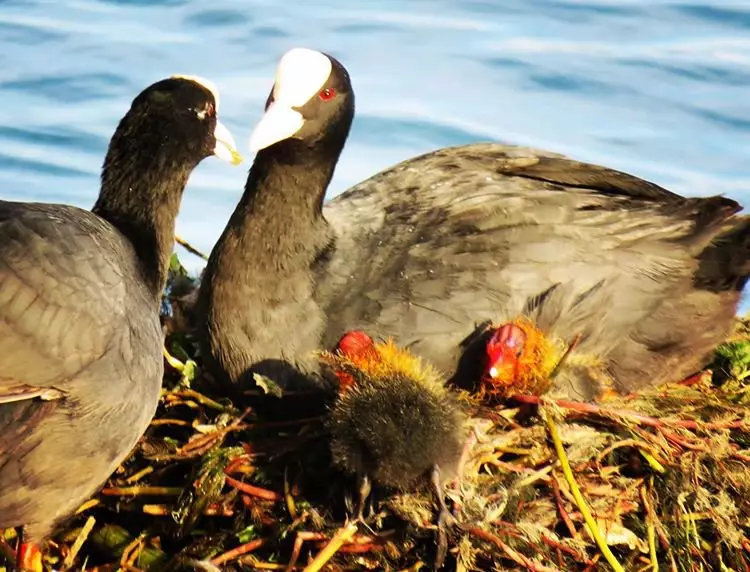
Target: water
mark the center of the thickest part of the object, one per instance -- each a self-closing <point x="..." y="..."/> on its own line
<point x="659" y="88"/>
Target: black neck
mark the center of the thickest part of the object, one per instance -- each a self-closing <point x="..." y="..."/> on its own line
<point x="142" y="202"/>
<point x="278" y="223"/>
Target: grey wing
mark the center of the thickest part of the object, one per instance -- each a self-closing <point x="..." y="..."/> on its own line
<point x="61" y="298"/>
<point x="428" y="249"/>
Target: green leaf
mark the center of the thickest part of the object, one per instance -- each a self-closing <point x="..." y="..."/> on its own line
<point x="268" y="386"/>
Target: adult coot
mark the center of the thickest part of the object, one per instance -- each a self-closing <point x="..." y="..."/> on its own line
<point x="80" y="341"/>
<point x="423" y="251"/>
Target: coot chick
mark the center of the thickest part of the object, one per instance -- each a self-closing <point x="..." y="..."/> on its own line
<point x="519" y="358"/>
<point x="394" y="421"/>
<point x="80" y="340"/>
<point x="423" y="251"/>
<point x="524" y="356"/>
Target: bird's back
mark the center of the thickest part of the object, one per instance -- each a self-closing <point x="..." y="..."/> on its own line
<point x="439" y="243"/>
<point x="74" y="321"/>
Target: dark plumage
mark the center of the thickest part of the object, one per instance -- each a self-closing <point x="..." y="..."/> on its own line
<point x="80" y="341"/>
<point x="427" y="249"/>
<point x="245" y="313"/>
<point x="395" y="422"/>
<point x="395" y="432"/>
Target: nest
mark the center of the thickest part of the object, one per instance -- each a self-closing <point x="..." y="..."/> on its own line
<point x="657" y="480"/>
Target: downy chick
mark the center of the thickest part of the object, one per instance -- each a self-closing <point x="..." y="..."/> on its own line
<point x="394" y="422"/>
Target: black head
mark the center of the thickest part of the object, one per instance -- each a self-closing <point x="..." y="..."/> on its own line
<point x="170" y="128"/>
<point x="173" y="120"/>
<point x="312" y="102"/>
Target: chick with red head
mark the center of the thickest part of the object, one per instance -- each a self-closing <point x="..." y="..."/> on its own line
<point x="519" y="358"/>
<point x="394" y="422"/>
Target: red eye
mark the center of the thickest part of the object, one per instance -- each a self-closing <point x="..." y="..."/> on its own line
<point x="327" y="94"/>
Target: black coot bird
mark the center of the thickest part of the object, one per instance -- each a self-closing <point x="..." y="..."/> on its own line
<point x="80" y="340"/>
<point x="425" y="250"/>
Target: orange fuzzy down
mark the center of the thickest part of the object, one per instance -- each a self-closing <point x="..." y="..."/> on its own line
<point x="30" y="557"/>
<point x="525" y="373"/>
<point x="358" y="354"/>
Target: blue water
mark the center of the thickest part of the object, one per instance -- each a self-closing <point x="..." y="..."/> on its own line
<point x="659" y="88"/>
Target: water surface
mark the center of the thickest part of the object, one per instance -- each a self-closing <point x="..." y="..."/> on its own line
<point x="658" y="88"/>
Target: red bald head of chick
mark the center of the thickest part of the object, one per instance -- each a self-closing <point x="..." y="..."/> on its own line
<point x="357" y="346"/>
<point x="356" y="343"/>
<point x="504" y="350"/>
<point x="519" y="358"/>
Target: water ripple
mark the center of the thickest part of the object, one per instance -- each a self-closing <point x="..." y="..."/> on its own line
<point x="573" y="11"/>
<point x="714" y="74"/>
<point x="18" y="164"/>
<point x="589" y="86"/>
<point x="724" y="16"/>
<point x="409" y="132"/>
<point x="657" y="88"/>
<point x="27" y="34"/>
<point x="69" y="88"/>
<point x="724" y="120"/>
<point x="217" y="18"/>
<point x="63" y="138"/>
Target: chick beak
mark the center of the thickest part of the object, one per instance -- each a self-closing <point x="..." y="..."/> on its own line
<point x="225" y="148"/>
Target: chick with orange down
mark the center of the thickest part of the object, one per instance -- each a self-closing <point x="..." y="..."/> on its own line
<point x="519" y="358"/>
<point x="522" y="357"/>
<point x="394" y="422"/>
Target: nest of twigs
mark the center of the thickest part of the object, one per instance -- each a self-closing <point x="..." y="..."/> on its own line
<point x="658" y="480"/>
